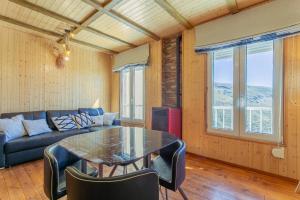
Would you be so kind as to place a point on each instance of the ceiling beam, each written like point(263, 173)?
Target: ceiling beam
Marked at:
point(164, 4)
point(93, 46)
point(28, 26)
point(68, 20)
point(232, 6)
point(95, 15)
point(107, 9)
point(53, 34)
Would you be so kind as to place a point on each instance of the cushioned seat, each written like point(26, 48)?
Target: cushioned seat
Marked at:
point(56, 159)
point(28, 148)
point(62, 178)
point(42, 140)
point(164, 167)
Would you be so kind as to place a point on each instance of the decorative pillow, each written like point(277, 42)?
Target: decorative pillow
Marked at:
point(35, 127)
point(108, 118)
point(64, 123)
point(18, 117)
point(97, 120)
point(12, 128)
point(83, 120)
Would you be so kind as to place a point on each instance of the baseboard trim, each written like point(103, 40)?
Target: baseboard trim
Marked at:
point(247, 168)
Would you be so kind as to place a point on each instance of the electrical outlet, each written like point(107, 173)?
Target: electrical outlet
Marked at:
point(278, 152)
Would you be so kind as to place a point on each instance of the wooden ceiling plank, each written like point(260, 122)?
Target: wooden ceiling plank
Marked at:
point(93, 46)
point(53, 34)
point(95, 15)
point(97, 32)
point(44, 11)
point(125, 20)
point(164, 4)
point(67, 20)
point(232, 6)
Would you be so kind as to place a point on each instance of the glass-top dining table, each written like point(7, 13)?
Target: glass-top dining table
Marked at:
point(115, 146)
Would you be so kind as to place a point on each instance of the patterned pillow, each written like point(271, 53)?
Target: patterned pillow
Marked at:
point(83, 120)
point(64, 123)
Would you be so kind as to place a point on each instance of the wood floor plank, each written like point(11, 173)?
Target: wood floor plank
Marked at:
point(26, 184)
point(4, 195)
point(14, 188)
point(205, 180)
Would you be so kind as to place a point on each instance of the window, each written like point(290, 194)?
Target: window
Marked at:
point(245, 91)
point(132, 93)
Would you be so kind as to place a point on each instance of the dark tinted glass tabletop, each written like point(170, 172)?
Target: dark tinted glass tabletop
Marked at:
point(117, 145)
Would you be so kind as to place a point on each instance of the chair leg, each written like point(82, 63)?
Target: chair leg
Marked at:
point(136, 167)
point(113, 171)
point(161, 193)
point(125, 170)
point(182, 193)
point(166, 193)
point(298, 188)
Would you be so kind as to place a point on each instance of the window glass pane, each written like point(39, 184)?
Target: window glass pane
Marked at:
point(222, 104)
point(125, 104)
point(139, 93)
point(259, 88)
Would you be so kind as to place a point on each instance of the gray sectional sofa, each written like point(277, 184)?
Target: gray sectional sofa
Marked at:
point(31, 148)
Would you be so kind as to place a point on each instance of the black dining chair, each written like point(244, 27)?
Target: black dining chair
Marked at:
point(56, 160)
point(138, 185)
point(170, 166)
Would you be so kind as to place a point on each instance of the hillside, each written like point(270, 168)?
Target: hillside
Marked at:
point(257, 95)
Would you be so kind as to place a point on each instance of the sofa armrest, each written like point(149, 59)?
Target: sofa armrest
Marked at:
point(117, 122)
point(2, 155)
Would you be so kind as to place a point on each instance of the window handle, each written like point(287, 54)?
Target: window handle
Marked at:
point(242, 101)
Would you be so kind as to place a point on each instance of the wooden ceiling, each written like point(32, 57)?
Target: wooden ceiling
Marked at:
point(113, 26)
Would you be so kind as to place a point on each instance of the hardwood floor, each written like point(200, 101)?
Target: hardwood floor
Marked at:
point(205, 180)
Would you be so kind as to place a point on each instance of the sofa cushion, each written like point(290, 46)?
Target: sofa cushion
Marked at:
point(92, 111)
point(25, 143)
point(58, 113)
point(12, 128)
point(27, 115)
point(36, 127)
point(97, 120)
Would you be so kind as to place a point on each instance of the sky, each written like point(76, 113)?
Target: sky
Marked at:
point(259, 70)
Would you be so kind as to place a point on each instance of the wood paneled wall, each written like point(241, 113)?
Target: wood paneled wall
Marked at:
point(246, 153)
point(153, 89)
point(153, 81)
point(29, 79)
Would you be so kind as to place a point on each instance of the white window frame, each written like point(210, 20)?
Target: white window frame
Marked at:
point(239, 93)
point(210, 97)
point(131, 118)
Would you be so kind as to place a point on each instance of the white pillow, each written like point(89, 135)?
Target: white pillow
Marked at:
point(108, 118)
point(97, 120)
point(35, 127)
point(12, 128)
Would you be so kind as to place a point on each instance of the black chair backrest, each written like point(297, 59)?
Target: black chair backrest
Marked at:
point(56, 158)
point(175, 153)
point(134, 186)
